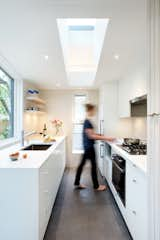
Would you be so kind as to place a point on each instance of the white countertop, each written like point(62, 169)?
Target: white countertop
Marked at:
point(35, 158)
point(139, 161)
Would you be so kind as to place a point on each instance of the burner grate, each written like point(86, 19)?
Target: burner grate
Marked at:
point(135, 149)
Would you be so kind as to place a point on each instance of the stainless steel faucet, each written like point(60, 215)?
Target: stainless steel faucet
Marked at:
point(24, 135)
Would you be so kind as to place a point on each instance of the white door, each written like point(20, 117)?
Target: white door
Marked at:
point(154, 176)
point(153, 7)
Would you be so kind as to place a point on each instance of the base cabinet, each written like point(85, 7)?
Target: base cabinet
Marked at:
point(100, 156)
point(136, 202)
point(27, 197)
point(50, 175)
point(135, 210)
point(108, 169)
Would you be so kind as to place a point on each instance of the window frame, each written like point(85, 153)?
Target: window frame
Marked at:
point(81, 93)
point(17, 109)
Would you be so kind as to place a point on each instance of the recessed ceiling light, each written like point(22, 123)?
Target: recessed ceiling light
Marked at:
point(116, 57)
point(46, 57)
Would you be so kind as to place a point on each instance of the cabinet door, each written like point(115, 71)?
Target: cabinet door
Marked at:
point(135, 85)
point(98, 156)
point(123, 99)
point(105, 170)
point(101, 158)
point(136, 202)
point(101, 104)
point(108, 169)
point(44, 179)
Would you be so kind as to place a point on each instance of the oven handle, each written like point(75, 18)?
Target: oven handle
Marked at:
point(119, 168)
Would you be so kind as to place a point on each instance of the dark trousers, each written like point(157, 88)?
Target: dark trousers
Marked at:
point(89, 154)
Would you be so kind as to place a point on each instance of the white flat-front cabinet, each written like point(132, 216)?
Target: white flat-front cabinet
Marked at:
point(133, 86)
point(123, 99)
point(100, 152)
point(50, 175)
point(136, 201)
point(27, 197)
point(108, 169)
point(135, 210)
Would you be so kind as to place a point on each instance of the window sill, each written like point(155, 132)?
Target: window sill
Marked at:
point(8, 142)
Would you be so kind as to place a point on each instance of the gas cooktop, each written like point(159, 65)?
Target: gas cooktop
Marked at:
point(134, 146)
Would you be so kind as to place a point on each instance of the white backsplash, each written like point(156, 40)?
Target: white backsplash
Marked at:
point(139, 128)
point(132, 127)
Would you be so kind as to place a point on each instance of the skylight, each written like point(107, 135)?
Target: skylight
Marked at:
point(82, 42)
point(81, 28)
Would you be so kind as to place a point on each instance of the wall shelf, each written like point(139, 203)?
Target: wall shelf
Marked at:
point(36, 100)
point(37, 112)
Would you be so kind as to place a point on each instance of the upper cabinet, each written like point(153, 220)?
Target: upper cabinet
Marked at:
point(135, 85)
point(123, 99)
point(108, 108)
point(101, 103)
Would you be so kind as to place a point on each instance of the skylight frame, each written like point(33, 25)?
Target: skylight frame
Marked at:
point(81, 72)
point(81, 28)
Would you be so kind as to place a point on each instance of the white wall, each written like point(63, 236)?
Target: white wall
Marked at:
point(139, 128)
point(60, 105)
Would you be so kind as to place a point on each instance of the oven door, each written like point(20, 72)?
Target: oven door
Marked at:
point(118, 180)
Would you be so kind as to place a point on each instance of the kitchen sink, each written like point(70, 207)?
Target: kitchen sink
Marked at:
point(35, 147)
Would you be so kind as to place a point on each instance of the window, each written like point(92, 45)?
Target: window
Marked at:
point(6, 106)
point(79, 116)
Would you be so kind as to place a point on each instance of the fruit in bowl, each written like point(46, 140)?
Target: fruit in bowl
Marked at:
point(14, 156)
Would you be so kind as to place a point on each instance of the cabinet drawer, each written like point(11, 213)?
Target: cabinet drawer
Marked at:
point(136, 201)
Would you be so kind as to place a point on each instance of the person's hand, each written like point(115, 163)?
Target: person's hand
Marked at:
point(110, 139)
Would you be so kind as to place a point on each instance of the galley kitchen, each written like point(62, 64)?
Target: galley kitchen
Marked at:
point(79, 120)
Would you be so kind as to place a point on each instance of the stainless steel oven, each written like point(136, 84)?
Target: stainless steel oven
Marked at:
point(118, 175)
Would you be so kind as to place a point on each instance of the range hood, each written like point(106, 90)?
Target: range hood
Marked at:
point(138, 106)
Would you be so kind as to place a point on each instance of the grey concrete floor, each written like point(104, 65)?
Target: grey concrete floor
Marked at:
point(85, 214)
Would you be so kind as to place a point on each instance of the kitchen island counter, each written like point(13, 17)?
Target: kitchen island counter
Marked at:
point(28, 189)
point(34, 159)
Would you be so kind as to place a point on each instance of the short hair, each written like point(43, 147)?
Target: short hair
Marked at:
point(89, 107)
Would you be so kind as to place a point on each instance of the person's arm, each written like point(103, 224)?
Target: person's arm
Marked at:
point(92, 135)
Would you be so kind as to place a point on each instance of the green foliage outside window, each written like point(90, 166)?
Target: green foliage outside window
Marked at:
point(6, 106)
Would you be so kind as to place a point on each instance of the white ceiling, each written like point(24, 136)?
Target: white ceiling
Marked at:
point(28, 32)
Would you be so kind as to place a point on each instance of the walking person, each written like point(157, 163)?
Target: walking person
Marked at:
point(89, 137)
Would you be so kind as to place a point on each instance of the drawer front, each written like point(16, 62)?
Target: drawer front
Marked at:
point(49, 179)
point(136, 202)
point(50, 175)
